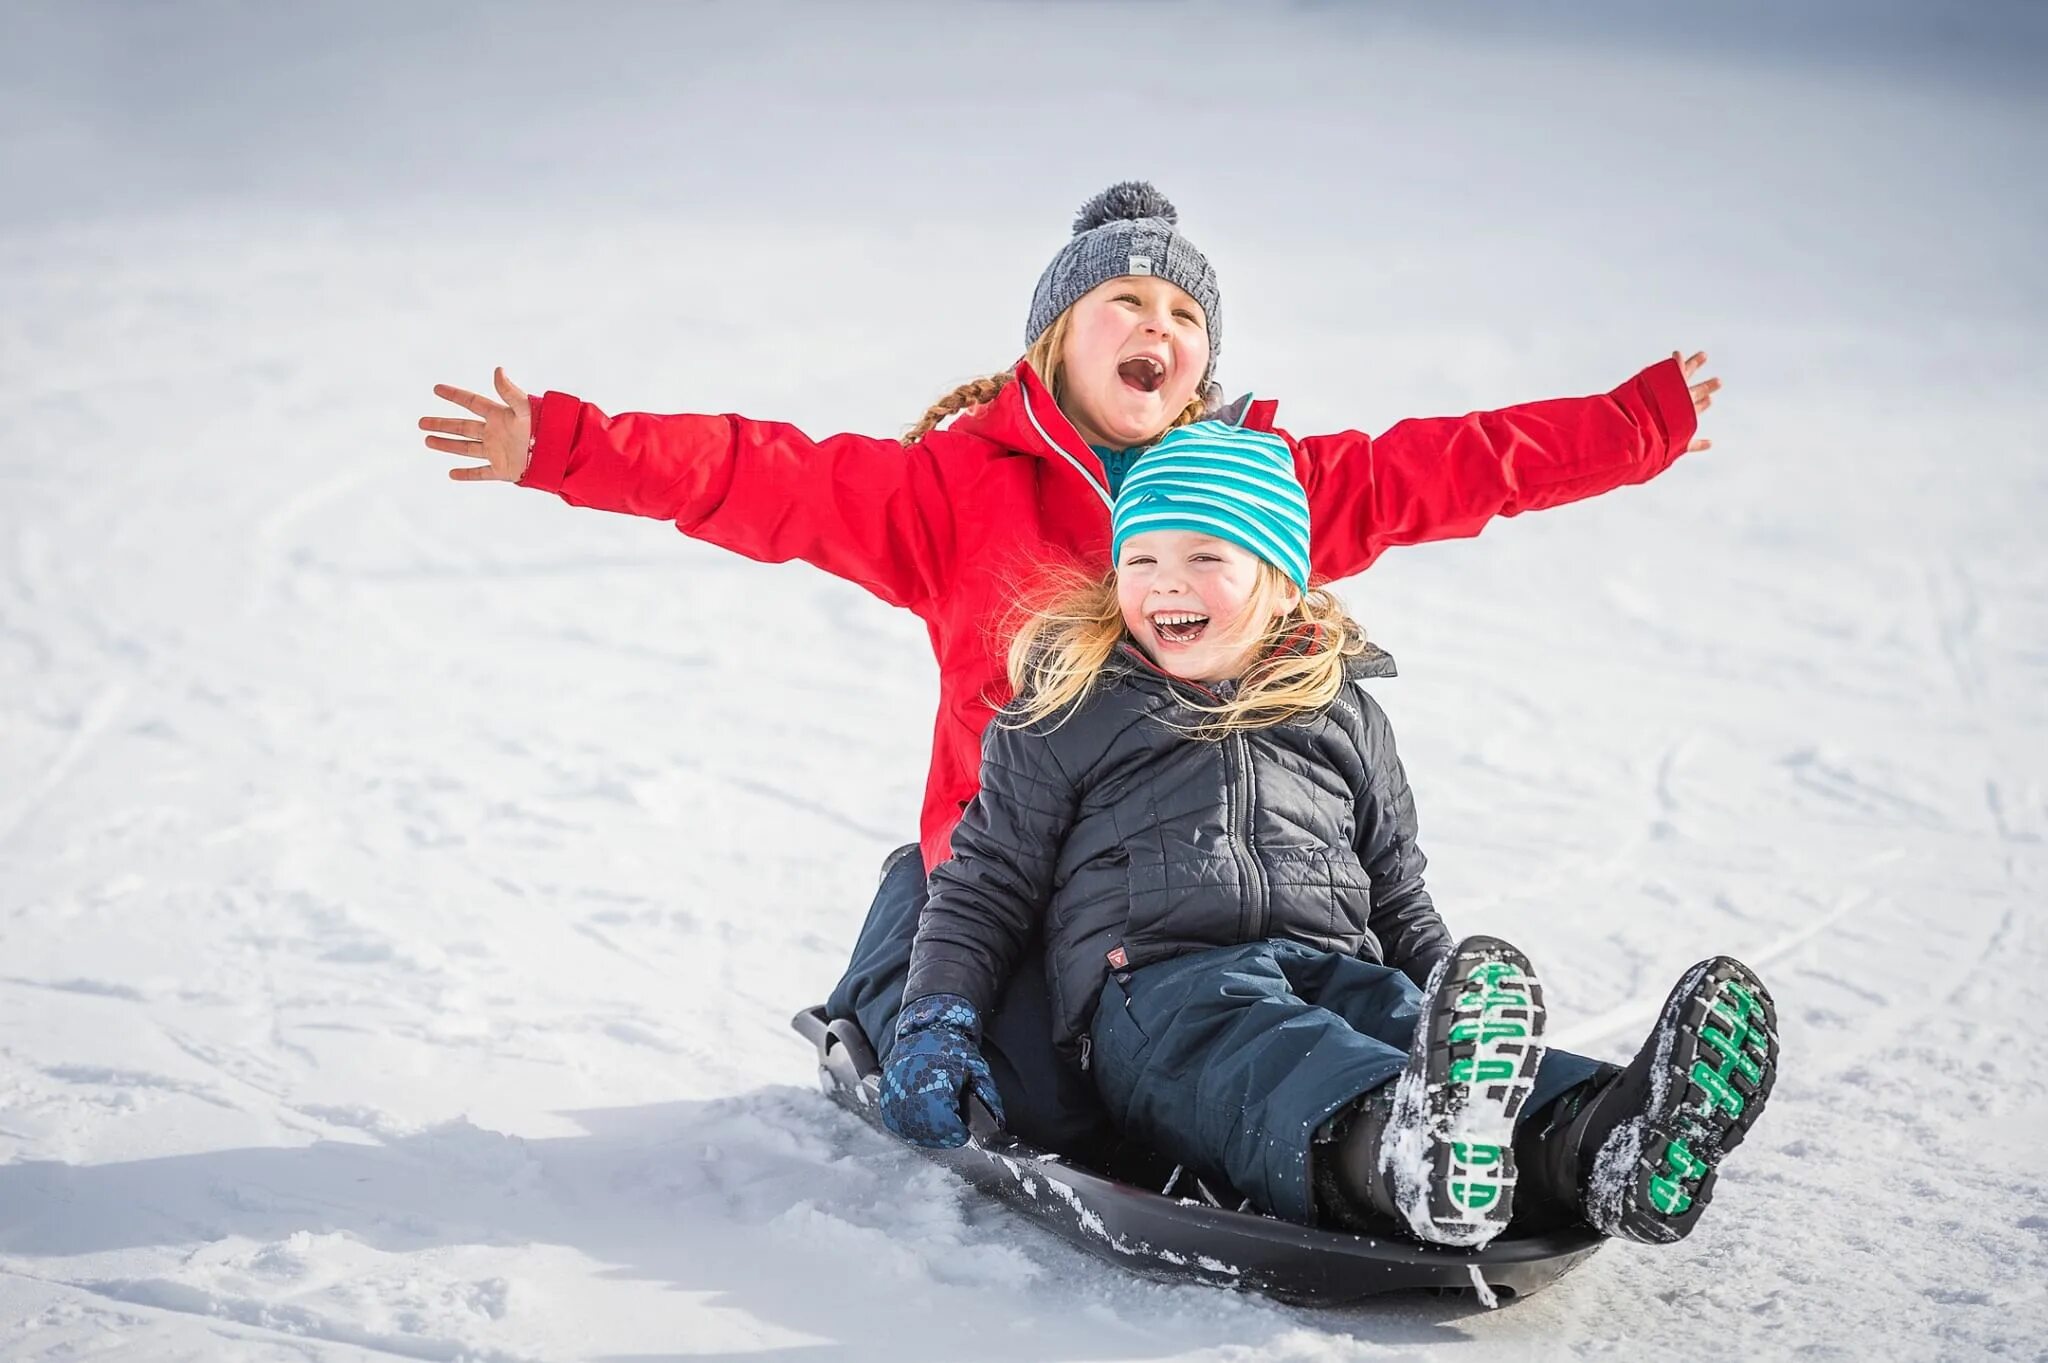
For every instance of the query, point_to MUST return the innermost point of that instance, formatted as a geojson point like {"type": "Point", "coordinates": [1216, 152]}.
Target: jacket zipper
{"type": "Point", "coordinates": [1259, 909]}
{"type": "Point", "coordinates": [1061, 451]}
{"type": "Point", "coordinates": [1256, 915]}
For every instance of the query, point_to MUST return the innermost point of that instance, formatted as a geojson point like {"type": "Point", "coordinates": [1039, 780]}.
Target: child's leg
{"type": "Point", "coordinates": [1544, 1198]}
{"type": "Point", "coordinates": [1443, 1146]}
{"type": "Point", "coordinates": [1045, 1101]}
{"type": "Point", "coordinates": [871, 990]}
{"type": "Point", "coordinates": [1213, 1060]}
{"type": "Point", "coordinates": [1216, 1060]}
{"type": "Point", "coordinates": [1558, 1075]}
{"type": "Point", "coordinates": [1385, 1004]}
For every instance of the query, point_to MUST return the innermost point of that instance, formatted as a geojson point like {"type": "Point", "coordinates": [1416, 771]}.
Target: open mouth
{"type": "Point", "coordinates": [1143, 373]}
{"type": "Point", "coordinates": [1179, 627]}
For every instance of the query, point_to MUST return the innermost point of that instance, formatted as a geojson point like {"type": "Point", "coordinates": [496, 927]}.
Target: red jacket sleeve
{"type": "Point", "coordinates": [1446, 477]}
{"type": "Point", "coordinates": [862, 508]}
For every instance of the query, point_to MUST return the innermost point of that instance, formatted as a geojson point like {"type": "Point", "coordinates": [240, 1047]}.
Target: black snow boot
{"type": "Point", "coordinates": [1433, 1150]}
{"type": "Point", "coordinates": [1637, 1151]}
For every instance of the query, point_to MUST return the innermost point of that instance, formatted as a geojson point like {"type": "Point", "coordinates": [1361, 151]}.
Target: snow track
{"type": "Point", "coordinates": [404, 886]}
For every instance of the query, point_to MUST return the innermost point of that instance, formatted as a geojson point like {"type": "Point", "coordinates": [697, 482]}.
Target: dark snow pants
{"type": "Point", "coordinates": [1046, 1100]}
{"type": "Point", "coordinates": [1228, 1060]}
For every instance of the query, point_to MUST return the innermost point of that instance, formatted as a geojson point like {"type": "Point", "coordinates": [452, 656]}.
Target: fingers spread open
{"type": "Point", "coordinates": [462, 397]}
{"type": "Point", "coordinates": [508, 390]}
{"type": "Point", "coordinates": [473, 475]}
{"type": "Point", "coordinates": [449, 425]}
{"type": "Point", "coordinates": [468, 449]}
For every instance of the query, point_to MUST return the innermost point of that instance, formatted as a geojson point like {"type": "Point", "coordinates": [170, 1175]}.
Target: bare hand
{"type": "Point", "coordinates": [1702, 392]}
{"type": "Point", "coordinates": [503, 439]}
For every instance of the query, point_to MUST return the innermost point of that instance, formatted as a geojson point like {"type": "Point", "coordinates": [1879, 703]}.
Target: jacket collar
{"type": "Point", "coordinates": [1023, 417]}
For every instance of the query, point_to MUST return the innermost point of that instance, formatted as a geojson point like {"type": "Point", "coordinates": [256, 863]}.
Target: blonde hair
{"type": "Point", "coordinates": [1045, 358]}
{"type": "Point", "coordinates": [1063, 646]}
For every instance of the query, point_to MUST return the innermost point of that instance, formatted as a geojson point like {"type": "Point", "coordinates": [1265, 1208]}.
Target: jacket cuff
{"type": "Point", "coordinates": [942, 973]}
{"type": "Point", "coordinates": [554, 429]}
{"type": "Point", "coordinates": [1670, 397]}
{"type": "Point", "coordinates": [939, 1012]}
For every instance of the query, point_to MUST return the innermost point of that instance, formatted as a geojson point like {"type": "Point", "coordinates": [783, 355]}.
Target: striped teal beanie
{"type": "Point", "coordinates": [1221, 480]}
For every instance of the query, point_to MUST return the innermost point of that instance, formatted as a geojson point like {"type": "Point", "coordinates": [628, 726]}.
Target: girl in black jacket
{"type": "Point", "coordinates": [1197, 800]}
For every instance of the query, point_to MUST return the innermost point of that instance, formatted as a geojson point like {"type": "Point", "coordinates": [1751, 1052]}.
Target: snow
{"type": "Point", "coordinates": [1481, 1291]}
{"type": "Point", "coordinates": [407, 885]}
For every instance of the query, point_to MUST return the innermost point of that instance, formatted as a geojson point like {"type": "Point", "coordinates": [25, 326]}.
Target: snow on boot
{"type": "Point", "coordinates": [1657, 1131]}
{"type": "Point", "coordinates": [1434, 1149]}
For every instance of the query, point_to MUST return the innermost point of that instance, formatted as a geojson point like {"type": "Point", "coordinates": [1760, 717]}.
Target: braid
{"type": "Point", "coordinates": [973, 393]}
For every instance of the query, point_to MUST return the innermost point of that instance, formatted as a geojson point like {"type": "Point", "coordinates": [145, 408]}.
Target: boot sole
{"type": "Point", "coordinates": [1468, 1075]}
{"type": "Point", "coordinates": [1715, 1063]}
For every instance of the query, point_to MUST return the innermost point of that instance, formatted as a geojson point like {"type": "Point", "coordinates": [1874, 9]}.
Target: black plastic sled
{"type": "Point", "coordinates": [1185, 1232]}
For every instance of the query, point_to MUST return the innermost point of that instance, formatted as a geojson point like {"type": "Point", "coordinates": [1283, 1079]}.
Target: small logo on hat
{"type": "Point", "coordinates": [1140, 265]}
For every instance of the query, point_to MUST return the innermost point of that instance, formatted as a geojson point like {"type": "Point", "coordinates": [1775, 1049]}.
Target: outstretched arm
{"type": "Point", "coordinates": [862, 508]}
{"type": "Point", "coordinates": [1446, 477]}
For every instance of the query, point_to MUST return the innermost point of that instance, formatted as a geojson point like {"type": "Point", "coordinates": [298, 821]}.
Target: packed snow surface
{"type": "Point", "coordinates": [406, 884]}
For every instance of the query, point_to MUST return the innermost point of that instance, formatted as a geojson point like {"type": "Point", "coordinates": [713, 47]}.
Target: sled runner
{"type": "Point", "coordinates": [1183, 1229]}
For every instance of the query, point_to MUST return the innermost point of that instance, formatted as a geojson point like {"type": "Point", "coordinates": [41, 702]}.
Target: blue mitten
{"type": "Point", "coordinates": [937, 1059]}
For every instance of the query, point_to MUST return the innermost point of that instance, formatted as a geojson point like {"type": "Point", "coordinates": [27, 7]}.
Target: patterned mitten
{"type": "Point", "coordinates": [936, 1061]}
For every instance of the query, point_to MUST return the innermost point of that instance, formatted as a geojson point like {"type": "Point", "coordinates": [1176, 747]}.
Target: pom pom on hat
{"type": "Point", "coordinates": [1130, 200]}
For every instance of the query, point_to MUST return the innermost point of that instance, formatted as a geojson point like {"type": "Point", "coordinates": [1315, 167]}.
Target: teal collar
{"type": "Point", "coordinates": [1116, 463]}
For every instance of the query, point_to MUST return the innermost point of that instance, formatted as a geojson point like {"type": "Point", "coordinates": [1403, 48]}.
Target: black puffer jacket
{"type": "Point", "coordinates": [1125, 835]}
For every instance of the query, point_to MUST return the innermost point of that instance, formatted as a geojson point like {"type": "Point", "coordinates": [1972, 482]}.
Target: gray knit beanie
{"type": "Point", "coordinates": [1126, 229]}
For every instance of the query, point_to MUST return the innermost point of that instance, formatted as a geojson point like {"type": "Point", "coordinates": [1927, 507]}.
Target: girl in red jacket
{"type": "Point", "coordinates": [1122, 338]}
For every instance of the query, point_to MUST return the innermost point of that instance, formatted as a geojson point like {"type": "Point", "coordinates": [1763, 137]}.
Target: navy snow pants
{"type": "Point", "coordinates": [1046, 1100]}
{"type": "Point", "coordinates": [1228, 1060]}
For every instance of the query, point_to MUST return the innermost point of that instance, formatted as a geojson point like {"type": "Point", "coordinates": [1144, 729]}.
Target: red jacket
{"type": "Point", "coordinates": [949, 526]}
